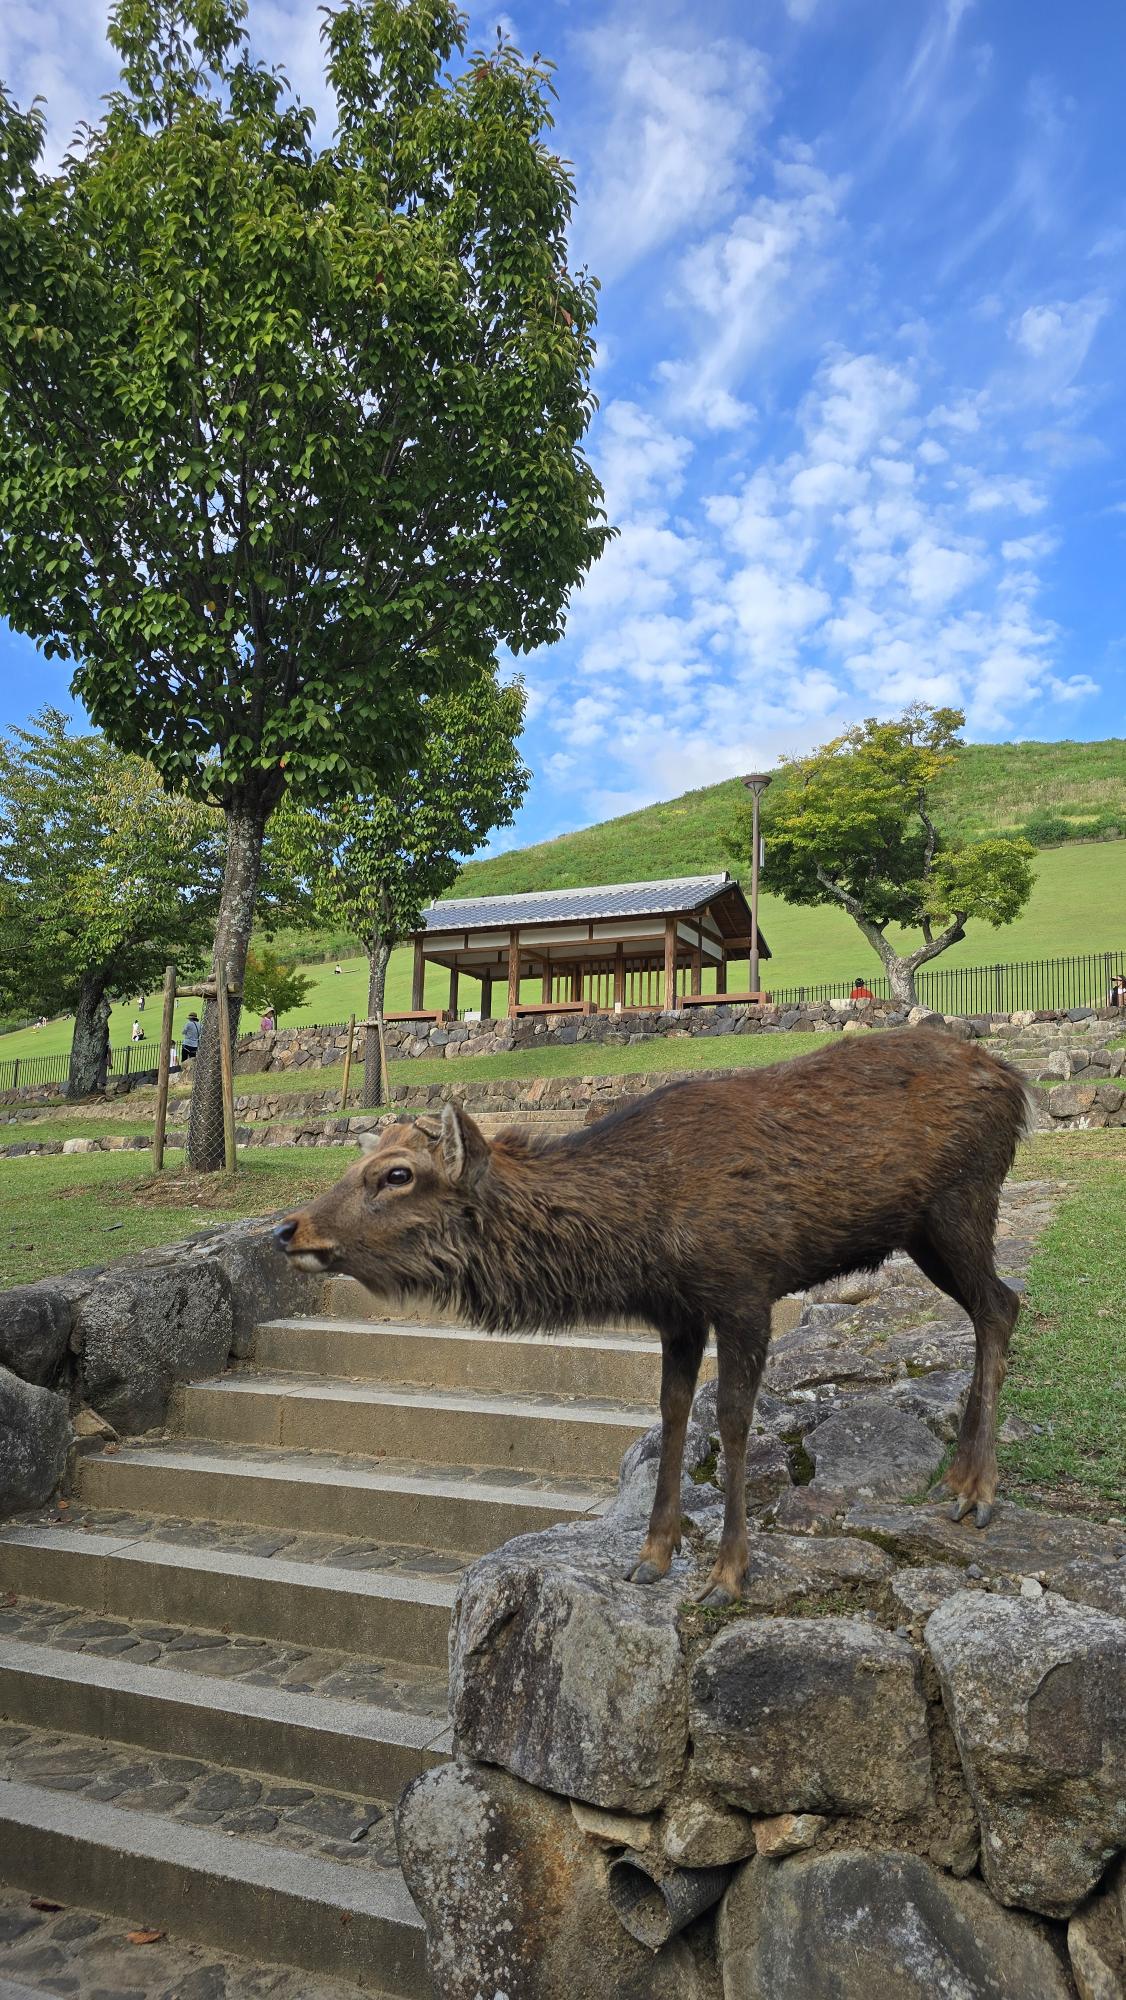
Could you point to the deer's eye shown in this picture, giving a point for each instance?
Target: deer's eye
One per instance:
(399, 1177)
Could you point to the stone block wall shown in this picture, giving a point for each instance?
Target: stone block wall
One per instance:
(110, 1344)
(896, 1769)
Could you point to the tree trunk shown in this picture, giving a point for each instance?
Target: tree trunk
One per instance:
(89, 1048)
(901, 979)
(375, 1083)
(246, 824)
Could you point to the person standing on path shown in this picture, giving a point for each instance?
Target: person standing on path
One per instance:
(189, 1039)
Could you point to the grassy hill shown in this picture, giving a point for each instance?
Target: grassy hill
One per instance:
(1054, 791)
(1078, 904)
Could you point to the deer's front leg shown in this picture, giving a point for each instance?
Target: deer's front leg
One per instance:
(681, 1349)
(741, 1350)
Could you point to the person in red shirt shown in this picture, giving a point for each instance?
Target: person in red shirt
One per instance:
(860, 991)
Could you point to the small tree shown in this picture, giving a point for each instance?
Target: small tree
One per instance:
(290, 438)
(375, 862)
(853, 824)
(103, 879)
(270, 984)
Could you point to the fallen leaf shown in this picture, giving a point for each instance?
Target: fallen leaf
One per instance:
(45, 1903)
(143, 1937)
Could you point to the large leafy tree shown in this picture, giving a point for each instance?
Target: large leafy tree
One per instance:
(104, 878)
(290, 439)
(374, 862)
(854, 824)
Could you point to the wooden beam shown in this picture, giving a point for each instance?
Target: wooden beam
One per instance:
(619, 978)
(486, 996)
(577, 981)
(721, 975)
(670, 964)
(513, 973)
(545, 988)
(453, 990)
(697, 967)
(418, 978)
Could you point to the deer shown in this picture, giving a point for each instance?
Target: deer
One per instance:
(694, 1209)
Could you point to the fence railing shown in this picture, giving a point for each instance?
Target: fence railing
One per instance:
(23, 1072)
(1035, 985)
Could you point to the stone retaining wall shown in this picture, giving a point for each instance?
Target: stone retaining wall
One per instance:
(115, 1341)
(894, 1770)
(300, 1048)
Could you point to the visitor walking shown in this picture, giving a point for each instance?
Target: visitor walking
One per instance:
(266, 1024)
(138, 1032)
(189, 1039)
(1117, 995)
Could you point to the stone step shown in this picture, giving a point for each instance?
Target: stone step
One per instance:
(625, 1367)
(307, 1738)
(227, 1891)
(124, 1569)
(396, 1501)
(439, 1426)
(346, 1298)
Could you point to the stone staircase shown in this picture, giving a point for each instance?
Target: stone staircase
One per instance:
(224, 1656)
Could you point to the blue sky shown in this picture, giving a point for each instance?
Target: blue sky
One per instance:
(863, 414)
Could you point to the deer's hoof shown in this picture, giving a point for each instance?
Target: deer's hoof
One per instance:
(717, 1598)
(983, 1513)
(645, 1572)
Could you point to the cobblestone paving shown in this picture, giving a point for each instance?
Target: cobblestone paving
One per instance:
(261, 1662)
(358, 1831)
(327, 1551)
(72, 1951)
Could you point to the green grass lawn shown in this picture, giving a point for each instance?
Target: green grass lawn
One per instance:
(59, 1213)
(1068, 1364)
(1077, 906)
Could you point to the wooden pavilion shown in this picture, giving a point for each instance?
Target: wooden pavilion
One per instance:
(611, 949)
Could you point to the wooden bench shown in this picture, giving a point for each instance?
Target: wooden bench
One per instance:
(724, 999)
(555, 1007)
(435, 1014)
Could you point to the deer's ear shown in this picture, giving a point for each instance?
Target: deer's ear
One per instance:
(465, 1150)
(370, 1142)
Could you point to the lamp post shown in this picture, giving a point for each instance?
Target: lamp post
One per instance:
(756, 783)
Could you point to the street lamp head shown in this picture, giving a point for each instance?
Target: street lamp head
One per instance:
(757, 782)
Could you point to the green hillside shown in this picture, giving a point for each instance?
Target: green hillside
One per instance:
(1054, 791)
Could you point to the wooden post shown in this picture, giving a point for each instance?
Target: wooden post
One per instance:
(164, 1064)
(513, 973)
(670, 964)
(348, 1063)
(546, 994)
(619, 978)
(721, 974)
(418, 980)
(453, 990)
(577, 982)
(226, 1068)
(486, 996)
(697, 967)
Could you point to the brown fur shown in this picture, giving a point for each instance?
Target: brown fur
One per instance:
(696, 1208)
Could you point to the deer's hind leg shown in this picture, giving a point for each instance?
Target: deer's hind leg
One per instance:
(741, 1344)
(955, 1251)
(682, 1346)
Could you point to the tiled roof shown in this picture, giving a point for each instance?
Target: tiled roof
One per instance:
(545, 906)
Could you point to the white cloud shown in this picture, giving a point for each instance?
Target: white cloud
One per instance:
(1053, 341)
(680, 122)
(638, 460)
(854, 400)
(742, 283)
(1000, 490)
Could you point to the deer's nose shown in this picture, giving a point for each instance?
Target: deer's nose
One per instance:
(285, 1232)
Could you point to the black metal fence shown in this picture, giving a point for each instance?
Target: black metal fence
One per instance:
(1033, 985)
(23, 1072)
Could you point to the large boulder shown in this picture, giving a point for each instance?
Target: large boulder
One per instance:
(811, 1715)
(871, 1925)
(874, 1448)
(1096, 1942)
(34, 1330)
(34, 1439)
(1035, 1689)
(568, 1676)
(144, 1329)
(782, 1569)
(1073, 1557)
(514, 1898)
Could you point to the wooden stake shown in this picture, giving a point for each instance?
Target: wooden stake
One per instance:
(226, 1070)
(348, 1063)
(164, 1068)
